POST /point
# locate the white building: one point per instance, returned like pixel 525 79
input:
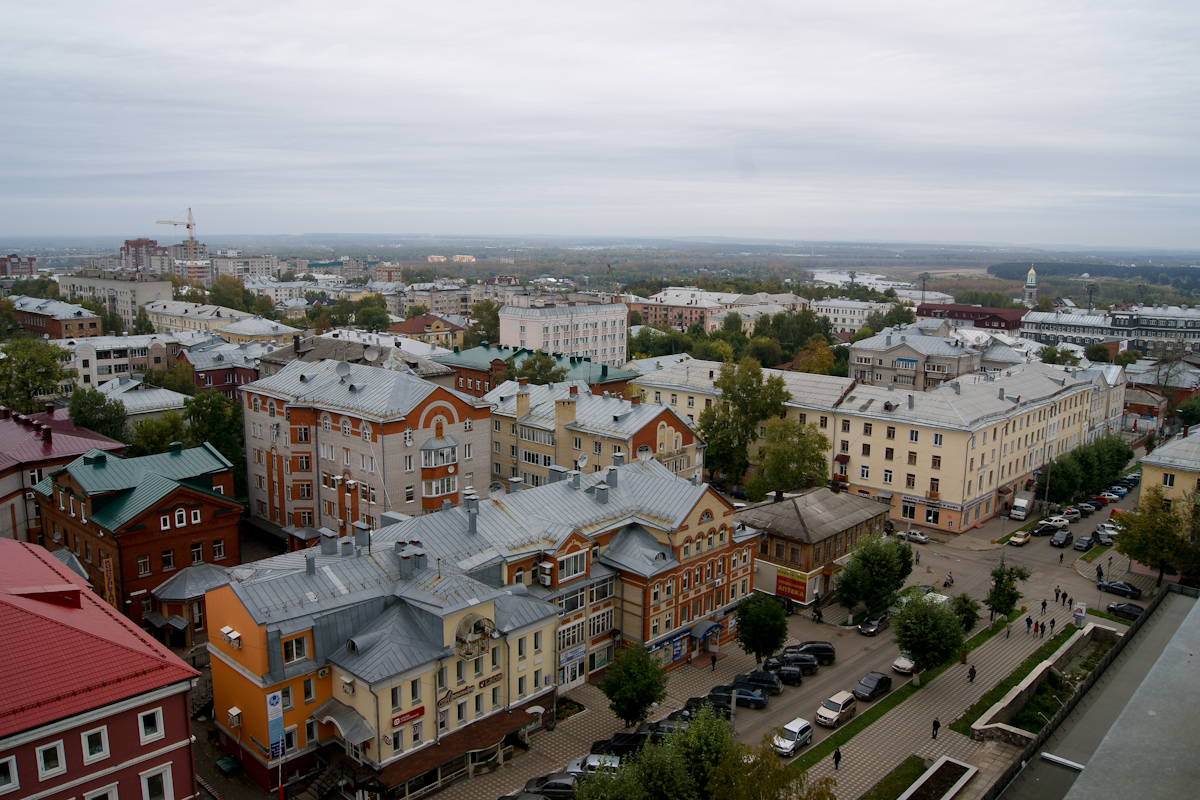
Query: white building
pixel 98 359
pixel 120 292
pixel 848 316
pixel 593 331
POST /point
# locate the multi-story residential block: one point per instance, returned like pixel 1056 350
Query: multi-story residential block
pixel 278 291
pixel 804 539
pixel 538 428
pixel 144 254
pixel 54 318
pixel 911 360
pixel 1068 327
pixel 221 366
pixel 440 297
pixel 677 308
pixel 482 368
pixel 170 316
pixel 848 316
pixel 1174 467
pixel 997 319
pixel 99 359
pixel 234 264
pixel 596 332
pixel 133 521
pixel 432 329
pixel 1108 399
pixel 502 290
pixel 1159 331
pixel 374 350
pixel 15 266
pixel 31 447
pixel 331 443
pixel 97 709
pixel 121 292
pixel 255 329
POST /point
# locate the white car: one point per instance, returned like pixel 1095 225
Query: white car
pixel 591 764
pixel 1058 522
pixel 903 664
pixel 1109 528
pixel 794 735
pixel 1110 497
pixel 914 536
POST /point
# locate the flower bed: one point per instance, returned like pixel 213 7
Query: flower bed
pixel 941 781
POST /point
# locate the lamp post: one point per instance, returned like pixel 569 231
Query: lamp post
pixel 1003 544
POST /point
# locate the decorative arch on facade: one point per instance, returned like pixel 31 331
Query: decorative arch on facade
pixel 441 408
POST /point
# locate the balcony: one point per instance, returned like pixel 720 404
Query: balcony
pixel 931 495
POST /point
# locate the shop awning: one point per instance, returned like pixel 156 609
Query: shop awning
pixel 1005 490
pixel 842 458
pixel 705 628
pixel 885 496
pixel 177 622
pixel 154 618
pixel 353 727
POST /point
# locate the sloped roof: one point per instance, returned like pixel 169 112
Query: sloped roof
pixel 257 326
pixel 139 397
pixel 578 369
pixel 635 549
pixel 606 416
pixel 316 348
pixel 97 472
pixel 71 561
pixel 892 339
pixel 1182 452
pixel 56 309
pixel 811 517
pixel 190 583
pixel 25 445
pixel 217 353
pixel 399 639
pixel 80 654
pixel 644 366
pixel 417 325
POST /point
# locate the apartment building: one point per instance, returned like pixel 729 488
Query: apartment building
pixel 1159 331
pixel 15 266
pixel 170 316
pixel 359 347
pixel 596 332
pixel 848 316
pixel 121 292
pixel 144 254
pixel 221 366
pixel 236 265
pixel 997 319
pixel 482 368
pixel 538 429
pixel 330 443
pixel 54 318
pixel 911 360
pixel 132 521
pixel 99 359
pixel 677 308
pixel 278 291
pixel 1068 327
pixel 432 329
pixel 94 708
pixel 255 329
pixel 141 400
pixel 1174 467
pixel 1108 399
pixel 440 297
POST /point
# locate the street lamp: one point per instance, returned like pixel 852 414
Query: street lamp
pixel 1003 544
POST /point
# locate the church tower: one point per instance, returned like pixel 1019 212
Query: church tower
pixel 1030 297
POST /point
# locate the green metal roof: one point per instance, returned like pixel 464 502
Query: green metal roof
pixel 98 472
pixel 578 369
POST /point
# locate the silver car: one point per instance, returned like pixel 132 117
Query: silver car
pixel 792 737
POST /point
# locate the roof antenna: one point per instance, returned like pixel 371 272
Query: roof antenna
pixel 439 566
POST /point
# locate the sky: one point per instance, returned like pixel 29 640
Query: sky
pixel 1062 122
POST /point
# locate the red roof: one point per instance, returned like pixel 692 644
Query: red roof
pixel 65 650
pixel 418 324
pixel 22 443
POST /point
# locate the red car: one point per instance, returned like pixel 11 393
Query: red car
pixel 1101 500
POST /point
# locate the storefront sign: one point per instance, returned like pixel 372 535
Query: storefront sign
pixel 932 503
pixel 489 681
pixel 110 585
pixel 275 723
pixel 449 697
pixel 791 584
pixel 408 716
pixel 574 654
pixel 679 637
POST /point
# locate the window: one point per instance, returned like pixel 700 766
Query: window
pixel 914 435
pixel 601 591
pixel 95 746
pixel 303 463
pixel 521 686
pixel 521 648
pixel 143 563
pixel 910 481
pixel 572 565
pixel 571 601
pixel 285 695
pixel 597 448
pixel 8 775
pixel 937 440
pixel 845 426
pixel 936 462
pixel 1168 479
pixel 908 511
pixel 310 732
pixel 197 553
pixel 845 445
pixel 295 650
pixel 168 560
pixel 866 429
pixel 460 672
pixel 180 518
pixel 887 476
pixel 164 522
pixel 51 761
pixel 310 691
pixel 866 449
pixel 150 725
pixel 408 494
pixel 891 432
pixel 912 457
pixel 156 785
pixel 537 644
pixel 864 472
pixel 889 453
pixel 440 486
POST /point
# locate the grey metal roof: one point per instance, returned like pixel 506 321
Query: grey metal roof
pixel 607 416
pixel 402 638
pixel 218 353
pixel 644 366
pixel 55 309
pixel 351 724
pixel 635 549
pixel 191 583
pixel 811 517
pixel 558 311
pixel 1182 452
pixel 257 326
pixel 139 397
pixel 924 344
pixel 71 560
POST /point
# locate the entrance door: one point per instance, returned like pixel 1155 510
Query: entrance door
pixel 573 674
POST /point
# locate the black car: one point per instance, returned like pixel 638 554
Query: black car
pixel 693 704
pixel 1120 587
pixel 1125 610
pixel 1044 530
pixel 1085 509
pixel 803 661
pixel 763 680
pixel 1134 477
pixel 1062 538
pixel 822 651
pixel 872 685
pixel 790 675
pixel 621 744
pixel 746 695
pixel 560 784
pixel 1084 543
pixel 657 731
pixel 874 623
pixel 1103 538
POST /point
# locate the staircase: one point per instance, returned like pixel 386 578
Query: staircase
pixel 318 788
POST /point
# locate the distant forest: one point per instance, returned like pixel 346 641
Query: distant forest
pixel 1184 279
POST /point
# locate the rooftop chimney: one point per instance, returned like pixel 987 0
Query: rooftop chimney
pixel 636 400
pixel 522 401
pixel 50 408
pixel 362 534
pixel 618 459
pixel 418 558
pixel 911 402
pixel 346 547
pixel 472 515
pixel 573 477
pixel 5 412
pixel 328 542
pixel 557 473
pixel 176 448
pixel 601 493
pixel 610 477
pixel 1001 392
pixel 47 434
pixel 406 561
pixel 887 340
pixel 310 563
pixel 445 505
pixel 514 485
pixel 574 389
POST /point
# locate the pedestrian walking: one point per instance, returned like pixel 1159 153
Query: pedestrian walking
pixel 1043 607
pixel 937 723
pixel 1028 624
pixel 1036 627
pixel 1008 630
pixel 1052 626
pixel 1109 565
pixel 1099 572
pixel 1057 592
pixel 837 757
pixel 918 557
pixel 1064 599
pixel 1060 555
pixel 1070 602
pixel 1042 635
pixel 713 657
pixel 971 674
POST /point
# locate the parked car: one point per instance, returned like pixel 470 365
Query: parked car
pixel 1084 543
pixel 1102 538
pixel 903 664
pixel 1109 528
pixel 1085 509
pixel 805 662
pixel 657 731
pixel 1019 538
pixel 888 527
pixel 592 763
pixel 790 674
pixel 1120 587
pixel 837 709
pixel 1134 477
pixel 559 784
pixel 914 536
pixel 1094 505
pixel 1072 514
pixel 822 651
pixel 621 744
pixel 1044 530
pixel 1102 500
pixel 1059 522
pixel 1110 496
pixel 1125 610
pixel 1061 539
pixel 874 623
pixel 763 680
pixel 794 735
pixel 746 695
pixel 872 685
pixel 1118 490
pixel 693 704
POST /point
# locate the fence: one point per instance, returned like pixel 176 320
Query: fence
pixel 1031 750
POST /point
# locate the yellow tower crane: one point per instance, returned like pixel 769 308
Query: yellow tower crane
pixel 191 229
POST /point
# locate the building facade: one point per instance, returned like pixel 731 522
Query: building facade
pixel 15 266
pixel 430 328
pixel 1007 320
pixel 1068 327
pixel 54 318
pixel 120 292
pixel 99 359
pixel 911 360
pixel 848 316
pixel 482 368
pixel 255 329
pixel 596 332
pixel 173 316
pixel 1174 467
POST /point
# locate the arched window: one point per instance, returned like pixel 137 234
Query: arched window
pixel 706 516
pixel 687 548
pixel 326 422
pixel 365 429
pixel 271 409
pixel 180 518
pixel 345 427
pixel 408 435
pixel 256 404
pixel 519 575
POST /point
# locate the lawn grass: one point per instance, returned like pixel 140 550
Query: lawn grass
pixel 1104 615
pixel 898 780
pixel 1095 552
pixel 963 723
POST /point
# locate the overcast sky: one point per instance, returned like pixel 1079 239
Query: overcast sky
pixel 1025 122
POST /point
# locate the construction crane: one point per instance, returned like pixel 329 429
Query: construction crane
pixel 191 229
pixel 616 288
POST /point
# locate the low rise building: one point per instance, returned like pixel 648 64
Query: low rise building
pixel 54 318
pixel 848 316
pixel 442 296
pixel 596 332
pixel 482 368
pixel 1066 326
pixel 910 359
pixel 391 353
pixel 430 328
pixel 99 359
pixel 221 366
pixel 134 521
pixel 1159 331
pixel 122 291
pixel 1174 467
pixel 236 265
pixel 95 708
pixel 1145 411
pixel 141 400
pixel 255 329
pixel 1108 399
pixel 171 316
pixel 803 540
pixel 960 316
pixel 538 428
pixel 180 616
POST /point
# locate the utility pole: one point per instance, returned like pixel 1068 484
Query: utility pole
pixel 1091 287
pixel 924 279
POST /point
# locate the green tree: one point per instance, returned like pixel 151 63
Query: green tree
pixel 816 357
pixel 701 746
pixel 178 376
pixel 418 310
pixel 929 632
pixel 287 277
pixel 894 316
pixel 110 324
pixel 1064 478
pixel 32 369
pixel 862 333
pixel 1188 413
pixel 732 322
pixel 761 626
pixel 92 409
pixel 9 323
pixel 226 291
pixel 791 456
pixel 633 683
pixel 967 609
pixel 1005 593
pixel 1044 304
pixel 46 288
pixel 1097 353
pixel 372 318
pixel 635 318
pixel 340 311
pixel 487 314
pixel 757 773
pixel 540 368
pixel 765 351
pixel 712 350
pixel 263 307
pixel 141 323
pixel 1154 535
pixel 1127 357
pixel 214 418
pixel 152 436
pixel 731 424
pixel 874 573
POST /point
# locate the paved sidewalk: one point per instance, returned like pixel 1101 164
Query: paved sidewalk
pixel 1116 568
pixel 906 729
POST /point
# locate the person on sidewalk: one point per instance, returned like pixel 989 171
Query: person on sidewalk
pixel 1057 592
pixel 1109 565
pixel 1036 627
pixel 1043 607
pixel 1064 598
pixel 971 674
pixel 1008 630
pixel 714 662
pixel 1042 632
pixel 837 757
pixel 1028 624
pixel 1052 626
pixel 1060 556
pixel 936 724
pixel 917 556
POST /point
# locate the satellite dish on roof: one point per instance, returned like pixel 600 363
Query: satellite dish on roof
pixel 342 369
pixel 644 453
pixel 496 490
pixel 582 462
pixel 371 353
